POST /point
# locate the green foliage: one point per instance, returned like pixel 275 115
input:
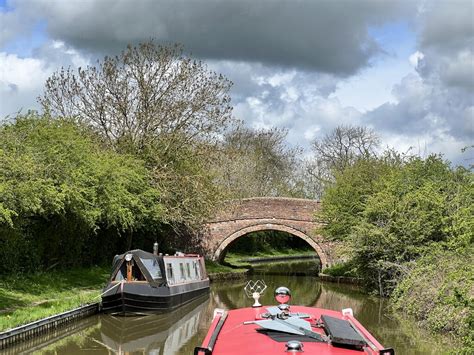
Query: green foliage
pixel 407 228
pixel 388 212
pixel 161 106
pixel 345 200
pixel 346 269
pixel 439 293
pixel 61 190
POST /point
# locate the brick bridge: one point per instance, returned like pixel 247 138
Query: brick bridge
pixel 237 218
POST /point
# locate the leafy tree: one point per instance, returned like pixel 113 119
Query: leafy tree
pixel 62 192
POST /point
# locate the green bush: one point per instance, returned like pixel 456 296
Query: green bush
pixel 407 227
pixel 388 212
pixel 343 269
pixel 439 292
pixel 65 199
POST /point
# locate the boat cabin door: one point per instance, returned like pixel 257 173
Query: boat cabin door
pixel 130 264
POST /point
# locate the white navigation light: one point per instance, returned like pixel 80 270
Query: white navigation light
pixel 128 257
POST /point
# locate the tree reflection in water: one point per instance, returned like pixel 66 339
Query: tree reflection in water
pixel 178 332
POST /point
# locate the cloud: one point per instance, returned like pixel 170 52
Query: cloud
pixel 297 101
pixel 325 36
pixel 434 108
pixel 447 41
pixel 298 65
pixel 22 79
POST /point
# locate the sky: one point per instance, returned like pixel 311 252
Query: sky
pixel 403 68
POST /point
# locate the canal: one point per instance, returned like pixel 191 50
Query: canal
pixel 178 332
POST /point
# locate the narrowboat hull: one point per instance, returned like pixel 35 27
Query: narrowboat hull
pixel 132 298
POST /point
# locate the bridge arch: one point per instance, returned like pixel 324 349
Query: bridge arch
pixel 219 253
pixel 236 218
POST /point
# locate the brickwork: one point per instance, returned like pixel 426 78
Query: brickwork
pixel 240 217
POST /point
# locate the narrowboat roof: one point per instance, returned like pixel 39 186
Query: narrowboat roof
pixel 139 256
pixel 138 252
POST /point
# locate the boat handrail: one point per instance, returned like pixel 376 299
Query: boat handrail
pixel 212 341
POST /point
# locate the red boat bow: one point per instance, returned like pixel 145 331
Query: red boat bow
pixel 288 330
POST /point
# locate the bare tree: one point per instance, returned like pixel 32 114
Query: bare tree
pixel 344 145
pixel 256 163
pixel 157 103
pixel 146 92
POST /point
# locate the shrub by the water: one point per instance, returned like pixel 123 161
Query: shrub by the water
pixel 439 293
pixel 408 230
pixel 343 269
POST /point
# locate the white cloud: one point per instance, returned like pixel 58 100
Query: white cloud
pixel 22 79
pixel 415 58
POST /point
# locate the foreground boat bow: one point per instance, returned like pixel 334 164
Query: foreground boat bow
pixel 285 329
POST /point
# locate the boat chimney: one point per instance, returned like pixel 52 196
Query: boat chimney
pixel 155 248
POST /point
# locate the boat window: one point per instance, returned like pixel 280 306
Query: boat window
pixel 169 272
pixel 188 270
pixel 196 269
pixel 181 268
pixel 122 273
pixel 153 268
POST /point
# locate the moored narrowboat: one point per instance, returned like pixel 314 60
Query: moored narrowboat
pixel 143 282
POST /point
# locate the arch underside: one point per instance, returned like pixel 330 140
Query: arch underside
pixel 219 253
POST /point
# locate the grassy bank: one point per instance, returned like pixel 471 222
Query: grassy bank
pixel 213 267
pixel 24 299
pixel 237 259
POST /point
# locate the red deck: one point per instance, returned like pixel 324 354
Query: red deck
pixel 238 338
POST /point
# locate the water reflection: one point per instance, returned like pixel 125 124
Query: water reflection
pixel 178 332
pixel 164 334
pixel 230 295
pixel 105 334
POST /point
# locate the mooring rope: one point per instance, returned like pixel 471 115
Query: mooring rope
pixel 120 283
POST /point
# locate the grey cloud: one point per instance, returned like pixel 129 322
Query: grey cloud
pixel 438 102
pixel 326 36
pixel 12 25
pixel 447 25
pixel 447 41
pixel 423 107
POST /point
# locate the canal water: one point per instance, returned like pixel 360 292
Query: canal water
pixel 178 332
